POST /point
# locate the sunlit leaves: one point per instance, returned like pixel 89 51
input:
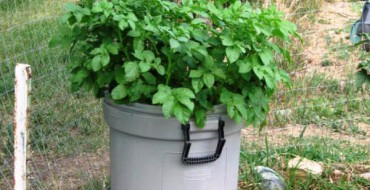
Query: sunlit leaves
pixel 119 92
pixel 185 57
pixel 176 102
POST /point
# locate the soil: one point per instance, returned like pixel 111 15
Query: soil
pixel 281 136
pixel 327 47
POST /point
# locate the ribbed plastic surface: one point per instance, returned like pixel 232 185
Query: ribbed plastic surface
pixel 146 150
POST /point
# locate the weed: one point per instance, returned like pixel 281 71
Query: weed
pixel 326 62
pixel 97 184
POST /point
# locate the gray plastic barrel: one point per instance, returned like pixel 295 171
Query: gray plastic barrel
pixel 146 150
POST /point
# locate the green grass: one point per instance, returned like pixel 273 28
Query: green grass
pixel 321 100
pixel 325 150
pixel 97 184
pixel 304 7
pixel 62 123
pixel 65 124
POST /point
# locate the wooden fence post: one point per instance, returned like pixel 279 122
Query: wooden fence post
pixel 22 92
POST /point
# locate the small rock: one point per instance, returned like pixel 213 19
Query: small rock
pixel 365 176
pixel 338 173
pixel 306 165
pixel 271 180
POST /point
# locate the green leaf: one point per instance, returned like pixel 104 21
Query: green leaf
pixel 160 69
pixel 132 17
pixel 200 117
pixel 71 7
pixel 96 51
pixel 184 96
pixel 232 54
pixel 78 16
pixel 136 90
pixel 208 62
pixel 122 25
pixel 104 78
pixel 97 8
pixel 148 56
pixel 196 73
pixel 168 107
pixel 197 84
pixel 174 43
pixel 183 39
pixel 240 105
pixel 132 25
pixel 139 55
pixel 138 45
pixel 144 66
pixel 198 21
pixel 285 77
pixel 119 75
pixel 132 71
pixel 133 33
pixel 119 92
pixel 214 41
pixel 219 73
pixel 244 66
pixel 162 95
pixel 80 75
pixel 270 82
pixel 362 79
pixel 96 63
pixel 225 96
pixel 200 35
pixel 209 79
pixel 230 110
pixel 258 72
pixel 266 57
pixel 226 41
pixel 202 50
pixel 150 78
pixel 184 92
pixel 187 2
pixel 113 49
pixel 105 58
pixel 181 113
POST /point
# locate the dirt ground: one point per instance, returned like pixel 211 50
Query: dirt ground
pixel 324 38
pixel 327 39
pixel 68 172
pixel 280 136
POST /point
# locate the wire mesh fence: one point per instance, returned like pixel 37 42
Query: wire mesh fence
pixel 69 140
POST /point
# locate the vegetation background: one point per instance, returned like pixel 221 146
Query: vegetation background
pixel 323 117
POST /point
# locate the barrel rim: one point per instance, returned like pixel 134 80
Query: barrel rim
pixel 157 110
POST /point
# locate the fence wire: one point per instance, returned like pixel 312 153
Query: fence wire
pixel 69 140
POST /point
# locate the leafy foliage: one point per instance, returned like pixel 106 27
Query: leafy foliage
pixel 186 56
pixel 363 74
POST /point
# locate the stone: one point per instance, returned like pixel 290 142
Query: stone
pixel 365 176
pixel 306 165
pixel 271 180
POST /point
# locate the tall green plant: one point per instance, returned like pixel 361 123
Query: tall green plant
pixel 186 57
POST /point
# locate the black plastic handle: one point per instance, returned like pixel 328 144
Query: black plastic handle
pixel 206 159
